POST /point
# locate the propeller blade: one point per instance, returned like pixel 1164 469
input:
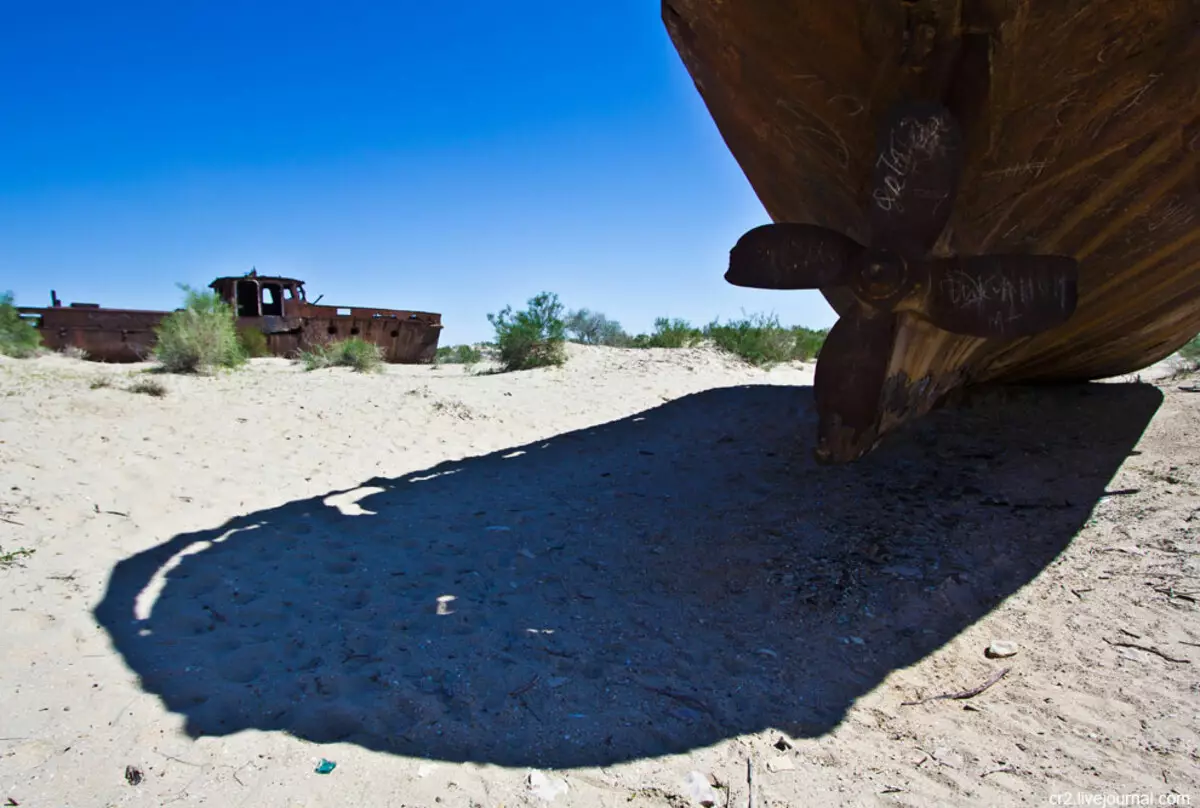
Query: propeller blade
pixel 789 255
pixel 849 383
pixel 915 177
pixel 1000 296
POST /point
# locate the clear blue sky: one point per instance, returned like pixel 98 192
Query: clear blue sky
pixel 449 157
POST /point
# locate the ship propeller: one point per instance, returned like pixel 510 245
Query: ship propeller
pixel 913 185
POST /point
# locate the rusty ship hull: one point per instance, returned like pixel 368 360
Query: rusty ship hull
pixel 275 306
pixel 1080 128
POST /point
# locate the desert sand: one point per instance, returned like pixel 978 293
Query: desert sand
pixel 623 582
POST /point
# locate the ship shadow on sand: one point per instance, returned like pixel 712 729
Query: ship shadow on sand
pixel 643 587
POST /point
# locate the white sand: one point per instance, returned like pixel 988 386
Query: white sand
pixel 613 574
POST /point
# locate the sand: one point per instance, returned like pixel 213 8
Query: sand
pixel 622 582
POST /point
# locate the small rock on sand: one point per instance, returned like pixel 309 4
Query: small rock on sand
pixel 1001 649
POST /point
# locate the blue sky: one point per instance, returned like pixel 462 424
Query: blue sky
pixel 450 157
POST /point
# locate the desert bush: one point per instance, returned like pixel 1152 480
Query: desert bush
pixel 18 338
pixel 531 338
pixel 807 342
pixel 355 353
pixel 1191 351
pixel 459 355
pixel 148 387
pixel 100 383
pixel 758 339
pixel 668 333
pixel 593 328
pixel 253 342
pixel 200 337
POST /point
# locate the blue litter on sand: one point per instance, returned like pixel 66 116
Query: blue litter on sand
pixel 325 766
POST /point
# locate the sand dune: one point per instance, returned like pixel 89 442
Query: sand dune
pixel 612 583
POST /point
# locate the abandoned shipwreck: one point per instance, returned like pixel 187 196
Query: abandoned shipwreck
pixel 276 306
pixel 984 191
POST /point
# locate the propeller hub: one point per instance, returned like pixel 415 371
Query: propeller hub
pixel 883 278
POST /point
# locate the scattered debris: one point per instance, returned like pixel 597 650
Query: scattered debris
pixel 133 775
pixel 546 788
pixel 325 766
pixel 965 694
pixel 1001 649
pixel 700 789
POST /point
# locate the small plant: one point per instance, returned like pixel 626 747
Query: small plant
pixel 100 382
pixel 253 342
pixel 13 558
pixel 200 337
pixel 18 338
pixel 532 338
pixel 148 387
pixel 355 353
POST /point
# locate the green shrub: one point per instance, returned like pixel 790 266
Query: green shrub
pixel 253 342
pixel 355 353
pixel 1191 348
pixel 200 337
pixel 758 339
pixel 459 355
pixel 18 337
pixel 807 342
pixel 668 333
pixel 532 338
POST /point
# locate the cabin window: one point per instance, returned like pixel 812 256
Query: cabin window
pixel 272 300
pixel 247 299
pixel 289 293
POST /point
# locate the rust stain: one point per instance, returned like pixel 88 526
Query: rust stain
pixel 1125 177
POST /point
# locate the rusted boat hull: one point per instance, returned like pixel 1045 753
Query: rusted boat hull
pixel 104 335
pixel 275 306
pixel 405 338
pixel 1081 122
